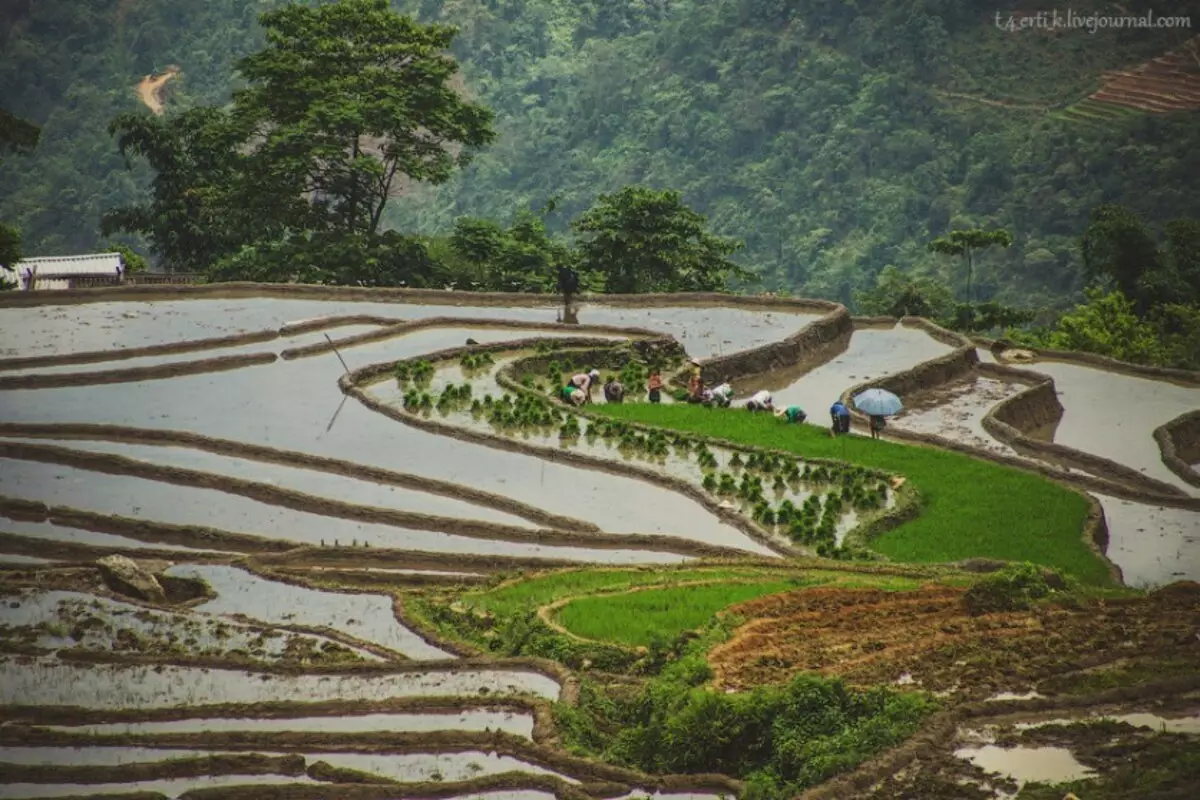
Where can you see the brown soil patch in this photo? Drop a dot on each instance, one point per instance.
(1168, 83)
(871, 636)
(150, 88)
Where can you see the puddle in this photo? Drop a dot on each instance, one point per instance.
(1121, 427)
(1013, 696)
(53, 620)
(873, 353)
(272, 346)
(1186, 724)
(1027, 764)
(319, 484)
(40, 681)
(470, 720)
(369, 617)
(959, 412)
(415, 767)
(1152, 545)
(105, 326)
(172, 787)
(184, 505)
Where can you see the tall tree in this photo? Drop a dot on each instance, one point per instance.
(15, 135)
(347, 99)
(188, 219)
(967, 243)
(643, 240)
(1118, 247)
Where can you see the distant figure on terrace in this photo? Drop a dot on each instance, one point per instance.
(792, 414)
(721, 396)
(584, 382)
(654, 386)
(573, 395)
(761, 401)
(614, 392)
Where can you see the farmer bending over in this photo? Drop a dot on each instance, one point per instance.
(792, 414)
(721, 396)
(573, 395)
(761, 401)
(840, 417)
(584, 382)
(614, 392)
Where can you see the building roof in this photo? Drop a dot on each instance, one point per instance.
(61, 266)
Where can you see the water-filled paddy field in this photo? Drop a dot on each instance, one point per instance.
(347, 527)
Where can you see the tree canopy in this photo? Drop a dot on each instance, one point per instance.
(642, 240)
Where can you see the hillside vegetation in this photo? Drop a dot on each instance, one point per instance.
(835, 138)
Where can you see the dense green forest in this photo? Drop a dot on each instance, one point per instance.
(834, 137)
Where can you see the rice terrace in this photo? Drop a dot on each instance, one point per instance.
(288, 541)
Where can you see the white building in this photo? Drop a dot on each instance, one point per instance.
(62, 272)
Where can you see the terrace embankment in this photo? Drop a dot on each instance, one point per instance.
(1179, 441)
(930, 638)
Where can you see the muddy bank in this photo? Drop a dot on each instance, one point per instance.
(241, 290)
(70, 553)
(1179, 441)
(292, 458)
(188, 767)
(134, 375)
(815, 344)
(1182, 377)
(402, 328)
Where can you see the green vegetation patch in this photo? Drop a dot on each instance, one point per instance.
(641, 618)
(969, 507)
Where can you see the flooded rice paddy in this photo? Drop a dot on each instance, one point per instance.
(39, 681)
(873, 353)
(369, 617)
(480, 720)
(305, 412)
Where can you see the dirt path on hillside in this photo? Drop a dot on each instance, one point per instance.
(151, 87)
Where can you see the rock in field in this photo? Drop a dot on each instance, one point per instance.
(126, 576)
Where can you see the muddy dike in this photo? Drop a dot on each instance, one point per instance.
(193, 345)
(353, 383)
(449, 297)
(1182, 377)
(816, 343)
(191, 536)
(291, 458)
(232, 764)
(134, 374)
(72, 554)
(300, 501)
(1179, 441)
(351, 558)
(1012, 420)
(395, 329)
(927, 375)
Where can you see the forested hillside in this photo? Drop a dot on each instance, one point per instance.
(835, 137)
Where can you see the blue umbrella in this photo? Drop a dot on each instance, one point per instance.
(878, 402)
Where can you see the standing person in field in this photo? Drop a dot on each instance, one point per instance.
(792, 414)
(614, 392)
(584, 382)
(654, 386)
(877, 425)
(839, 415)
(761, 401)
(696, 387)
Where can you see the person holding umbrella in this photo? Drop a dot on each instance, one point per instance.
(878, 404)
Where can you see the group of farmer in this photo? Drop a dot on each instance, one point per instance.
(578, 392)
